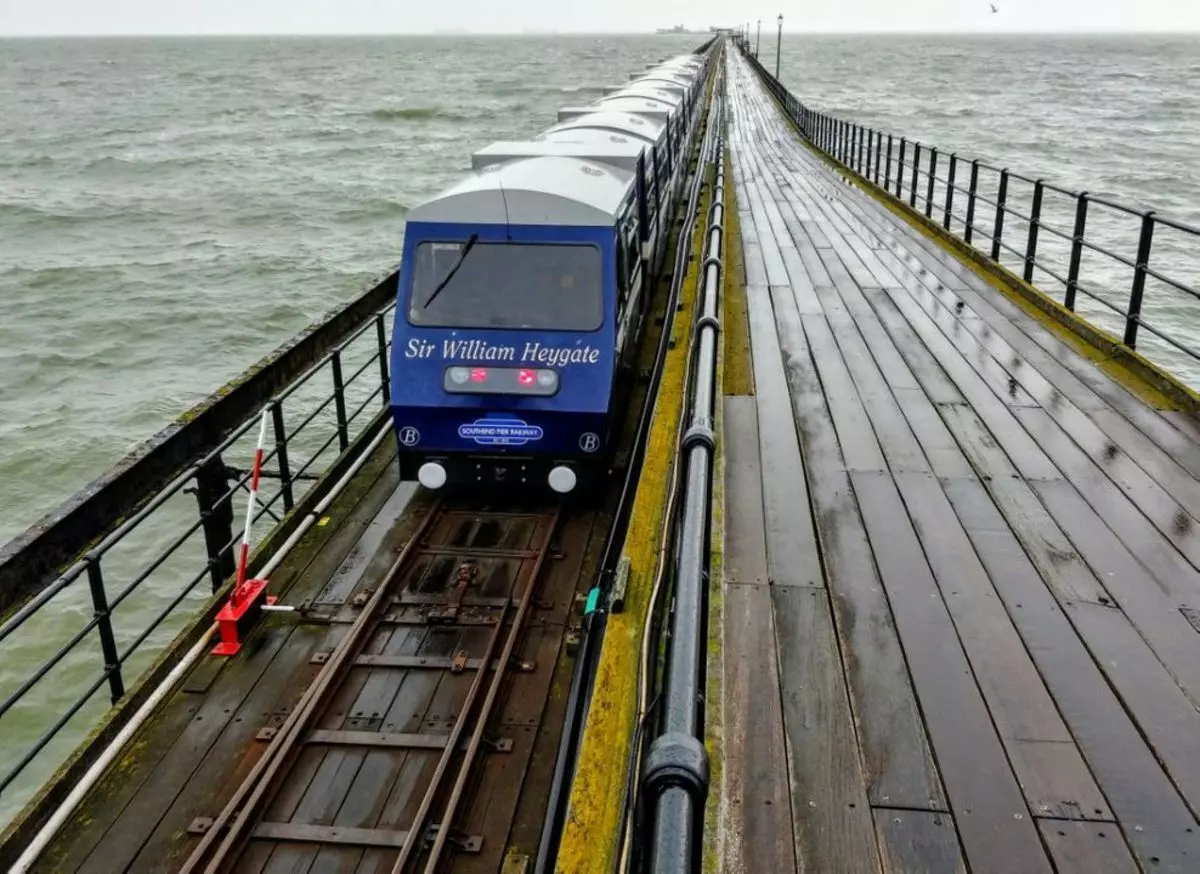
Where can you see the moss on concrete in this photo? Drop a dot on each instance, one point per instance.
(738, 378)
(714, 686)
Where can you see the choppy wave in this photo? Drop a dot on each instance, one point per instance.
(415, 113)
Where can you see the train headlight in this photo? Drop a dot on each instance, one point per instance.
(459, 375)
(547, 378)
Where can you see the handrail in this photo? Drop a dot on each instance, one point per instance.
(68, 641)
(592, 627)
(1082, 262)
(676, 772)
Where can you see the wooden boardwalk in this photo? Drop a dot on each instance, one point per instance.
(961, 599)
(360, 778)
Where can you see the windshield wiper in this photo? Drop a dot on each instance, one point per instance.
(462, 256)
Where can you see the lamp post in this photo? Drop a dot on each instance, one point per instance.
(778, 46)
(758, 39)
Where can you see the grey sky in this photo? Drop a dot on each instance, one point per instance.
(422, 16)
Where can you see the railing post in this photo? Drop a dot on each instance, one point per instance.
(281, 456)
(929, 189)
(887, 167)
(385, 374)
(912, 185)
(951, 174)
(878, 153)
(339, 400)
(216, 515)
(998, 230)
(108, 641)
(1133, 317)
(1035, 217)
(1076, 250)
(900, 170)
(972, 189)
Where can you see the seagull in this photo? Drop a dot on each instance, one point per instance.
(994, 9)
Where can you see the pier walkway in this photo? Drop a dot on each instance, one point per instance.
(961, 603)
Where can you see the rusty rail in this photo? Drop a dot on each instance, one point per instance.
(225, 838)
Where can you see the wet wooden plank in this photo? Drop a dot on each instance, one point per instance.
(859, 447)
(1070, 372)
(199, 765)
(772, 257)
(120, 785)
(980, 378)
(1048, 765)
(755, 794)
(745, 558)
(1052, 553)
(922, 364)
(918, 842)
(831, 817)
(1140, 514)
(118, 811)
(891, 430)
(899, 768)
(1151, 607)
(791, 543)
(993, 820)
(1124, 469)
(1087, 848)
(1169, 721)
(938, 444)
(1138, 791)
(1124, 766)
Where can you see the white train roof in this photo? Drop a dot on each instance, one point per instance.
(678, 69)
(588, 145)
(612, 121)
(662, 81)
(631, 105)
(671, 98)
(686, 63)
(548, 190)
(682, 75)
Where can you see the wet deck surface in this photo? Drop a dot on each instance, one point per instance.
(202, 743)
(961, 598)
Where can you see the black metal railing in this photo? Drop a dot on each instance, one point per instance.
(1091, 253)
(676, 772)
(83, 636)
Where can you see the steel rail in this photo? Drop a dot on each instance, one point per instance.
(241, 807)
(416, 834)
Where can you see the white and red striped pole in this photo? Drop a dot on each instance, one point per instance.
(251, 502)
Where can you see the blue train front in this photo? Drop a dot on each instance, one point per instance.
(520, 298)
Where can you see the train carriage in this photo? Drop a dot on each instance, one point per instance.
(506, 325)
(522, 290)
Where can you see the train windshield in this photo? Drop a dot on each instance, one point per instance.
(507, 285)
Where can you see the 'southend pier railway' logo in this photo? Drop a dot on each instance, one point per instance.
(500, 432)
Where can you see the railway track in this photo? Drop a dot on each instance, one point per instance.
(402, 726)
(413, 750)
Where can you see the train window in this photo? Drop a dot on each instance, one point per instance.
(531, 286)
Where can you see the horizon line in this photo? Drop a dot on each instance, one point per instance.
(571, 33)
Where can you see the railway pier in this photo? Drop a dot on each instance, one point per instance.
(899, 573)
(960, 586)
